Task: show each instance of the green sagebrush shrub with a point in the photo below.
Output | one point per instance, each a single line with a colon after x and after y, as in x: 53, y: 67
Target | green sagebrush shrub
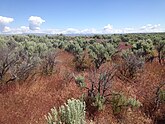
x: 119, y: 101
x: 99, y: 88
x: 131, y: 65
x: 99, y: 101
x: 72, y: 112
x: 80, y: 81
x: 49, y: 62
x: 16, y: 63
x: 74, y: 48
x: 77, y: 48
x: 161, y: 96
x: 82, y: 61
x: 100, y: 53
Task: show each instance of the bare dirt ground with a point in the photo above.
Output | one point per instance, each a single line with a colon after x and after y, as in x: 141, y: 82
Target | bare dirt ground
x: 28, y: 103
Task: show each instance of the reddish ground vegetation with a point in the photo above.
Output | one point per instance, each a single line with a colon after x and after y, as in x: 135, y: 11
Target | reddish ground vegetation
x: 29, y: 102
x: 124, y: 46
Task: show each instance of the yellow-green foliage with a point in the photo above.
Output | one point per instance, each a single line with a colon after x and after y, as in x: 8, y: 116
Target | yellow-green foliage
x: 162, y: 95
x: 72, y: 112
x: 99, y: 101
x: 119, y: 101
x: 80, y: 81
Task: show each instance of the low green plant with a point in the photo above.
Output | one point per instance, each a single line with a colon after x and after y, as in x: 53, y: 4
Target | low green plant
x: 100, y: 53
x: 49, y: 62
x: 161, y: 96
x: 72, y: 112
x: 98, y: 89
x: 131, y: 65
x: 81, y: 61
x: 99, y: 101
x: 119, y: 101
x: 80, y: 81
x: 134, y: 103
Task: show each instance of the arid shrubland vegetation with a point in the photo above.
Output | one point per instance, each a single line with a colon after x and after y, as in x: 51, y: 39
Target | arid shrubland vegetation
x: 103, y: 75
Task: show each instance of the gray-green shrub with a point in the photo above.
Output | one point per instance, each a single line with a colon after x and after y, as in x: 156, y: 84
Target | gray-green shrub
x: 72, y: 112
x: 119, y: 101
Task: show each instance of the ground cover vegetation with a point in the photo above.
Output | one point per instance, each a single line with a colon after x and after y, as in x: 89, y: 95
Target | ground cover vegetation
x: 97, y: 79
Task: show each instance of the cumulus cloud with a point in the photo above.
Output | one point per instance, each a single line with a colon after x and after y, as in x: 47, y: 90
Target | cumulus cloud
x: 78, y: 31
x: 90, y: 31
x: 6, y: 29
x: 150, y: 28
x: 24, y: 29
x: 35, y: 22
x: 4, y: 21
x: 108, y: 28
x: 71, y: 31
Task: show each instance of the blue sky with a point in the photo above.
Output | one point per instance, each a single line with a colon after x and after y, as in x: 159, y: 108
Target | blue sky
x: 82, y: 16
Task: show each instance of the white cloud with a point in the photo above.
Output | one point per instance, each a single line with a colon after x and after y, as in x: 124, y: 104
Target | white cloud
x: 108, y: 28
x: 78, y: 31
x: 6, y: 29
x: 23, y: 29
x: 3, y: 22
x: 150, y: 28
x: 90, y: 31
x: 20, y: 30
x: 71, y: 31
x: 35, y: 22
x: 52, y: 31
